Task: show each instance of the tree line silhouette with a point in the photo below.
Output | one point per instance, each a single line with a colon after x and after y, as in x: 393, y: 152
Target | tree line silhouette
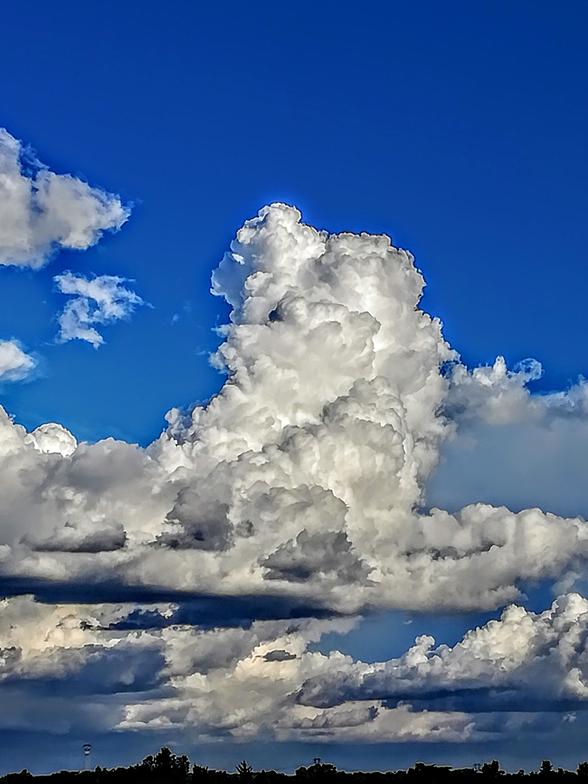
x: 165, y: 767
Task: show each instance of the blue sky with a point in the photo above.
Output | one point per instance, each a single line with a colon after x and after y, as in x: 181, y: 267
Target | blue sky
x: 457, y: 129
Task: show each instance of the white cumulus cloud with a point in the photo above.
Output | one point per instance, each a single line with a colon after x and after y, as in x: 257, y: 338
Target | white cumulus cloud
x: 41, y: 211
x: 531, y: 445
x: 520, y: 661
x: 298, y: 491
x: 152, y: 669
x: 15, y: 363
x: 98, y: 300
x: 305, y: 476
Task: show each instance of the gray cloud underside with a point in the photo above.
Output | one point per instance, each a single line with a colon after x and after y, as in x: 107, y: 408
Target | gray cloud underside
x: 242, y: 682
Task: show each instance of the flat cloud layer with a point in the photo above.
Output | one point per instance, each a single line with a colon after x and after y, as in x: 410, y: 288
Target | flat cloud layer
x: 298, y: 490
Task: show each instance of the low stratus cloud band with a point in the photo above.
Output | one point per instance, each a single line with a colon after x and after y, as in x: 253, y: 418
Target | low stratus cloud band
x: 297, y: 498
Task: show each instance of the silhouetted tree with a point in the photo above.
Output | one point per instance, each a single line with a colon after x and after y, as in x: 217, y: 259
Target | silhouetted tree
x: 18, y: 778
x: 491, y: 769
x: 244, y: 770
x: 317, y: 770
x: 165, y: 767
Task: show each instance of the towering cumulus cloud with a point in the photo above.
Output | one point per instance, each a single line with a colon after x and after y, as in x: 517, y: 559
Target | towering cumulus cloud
x: 297, y: 492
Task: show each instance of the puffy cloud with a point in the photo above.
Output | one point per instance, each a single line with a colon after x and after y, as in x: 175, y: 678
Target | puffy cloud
x: 299, y: 489
x: 519, y: 661
x: 267, y: 681
x: 55, y: 489
x: 60, y: 668
x: 380, y: 724
x: 41, y: 211
x: 492, y: 393
x: 15, y: 364
x: 252, y: 692
x: 55, y: 642
x: 95, y: 301
x: 89, y: 650
x: 298, y: 560
x: 532, y: 445
x: 52, y: 438
x: 304, y: 477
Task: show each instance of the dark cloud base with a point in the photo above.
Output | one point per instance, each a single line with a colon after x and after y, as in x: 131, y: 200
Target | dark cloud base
x: 202, y: 610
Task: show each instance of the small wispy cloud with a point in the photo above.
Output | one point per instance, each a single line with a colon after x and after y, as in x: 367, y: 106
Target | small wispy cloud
x: 98, y: 300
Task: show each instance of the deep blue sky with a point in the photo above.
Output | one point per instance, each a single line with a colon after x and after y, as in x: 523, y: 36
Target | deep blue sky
x: 459, y: 128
